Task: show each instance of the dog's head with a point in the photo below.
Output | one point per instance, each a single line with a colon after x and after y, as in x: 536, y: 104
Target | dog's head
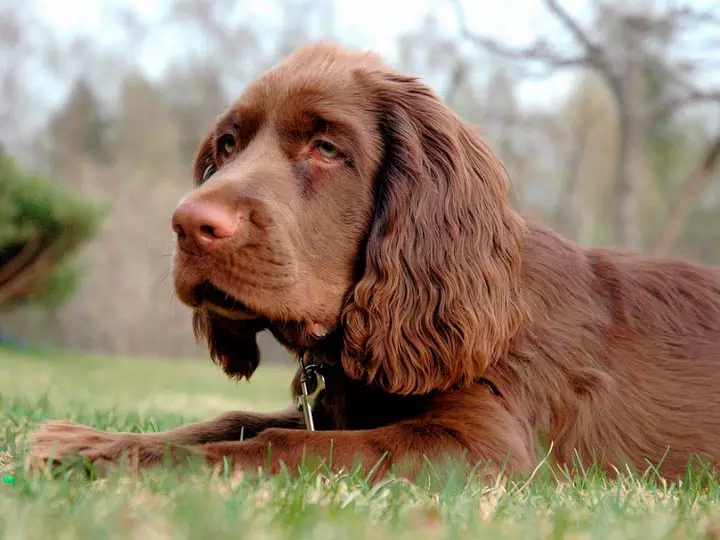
x: 337, y: 194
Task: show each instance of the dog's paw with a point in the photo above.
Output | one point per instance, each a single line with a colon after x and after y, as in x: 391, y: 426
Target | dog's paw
x: 57, y: 443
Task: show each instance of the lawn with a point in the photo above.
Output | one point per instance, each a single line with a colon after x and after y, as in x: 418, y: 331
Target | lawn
x: 133, y: 394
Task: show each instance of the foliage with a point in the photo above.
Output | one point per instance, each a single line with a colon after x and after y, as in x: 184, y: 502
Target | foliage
x: 41, y: 226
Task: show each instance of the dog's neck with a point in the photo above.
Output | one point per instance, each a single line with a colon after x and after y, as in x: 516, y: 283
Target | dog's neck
x: 324, y: 350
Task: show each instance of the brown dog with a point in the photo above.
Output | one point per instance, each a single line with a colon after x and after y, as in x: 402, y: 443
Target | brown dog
x: 346, y: 209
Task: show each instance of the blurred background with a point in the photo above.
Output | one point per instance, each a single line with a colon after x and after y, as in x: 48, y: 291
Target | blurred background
x: 606, y: 113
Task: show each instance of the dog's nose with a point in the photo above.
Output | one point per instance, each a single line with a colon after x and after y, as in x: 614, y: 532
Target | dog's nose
x: 202, y: 226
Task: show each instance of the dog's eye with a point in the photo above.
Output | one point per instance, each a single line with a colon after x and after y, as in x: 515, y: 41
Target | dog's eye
x: 327, y: 150
x: 208, y: 172
x: 226, y: 144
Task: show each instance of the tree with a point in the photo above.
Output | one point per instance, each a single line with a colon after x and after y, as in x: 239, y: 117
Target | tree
x: 145, y: 136
x: 195, y: 97
x: 78, y: 131
x: 587, y: 146
x: 41, y: 226
x: 625, y: 38
x: 690, y: 190
x: 502, y: 118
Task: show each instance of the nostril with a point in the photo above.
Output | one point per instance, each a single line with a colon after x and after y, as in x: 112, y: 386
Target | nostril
x: 208, y: 230
x: 179, y: 231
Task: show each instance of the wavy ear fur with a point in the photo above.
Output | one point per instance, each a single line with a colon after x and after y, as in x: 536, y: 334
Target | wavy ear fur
x: 439, y: 298
x: 232, y: 344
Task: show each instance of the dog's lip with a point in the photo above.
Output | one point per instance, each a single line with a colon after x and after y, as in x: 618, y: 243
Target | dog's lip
x: 208, y: 295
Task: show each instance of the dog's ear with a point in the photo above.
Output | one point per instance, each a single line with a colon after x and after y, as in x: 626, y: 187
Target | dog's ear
x: 439, y: 299
x: 232, y: 344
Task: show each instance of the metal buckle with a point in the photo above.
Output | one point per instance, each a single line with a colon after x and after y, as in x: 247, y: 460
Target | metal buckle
x: 312, y: 383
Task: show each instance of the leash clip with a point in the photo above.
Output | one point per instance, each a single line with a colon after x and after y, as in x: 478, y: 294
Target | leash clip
x: 312, y: 383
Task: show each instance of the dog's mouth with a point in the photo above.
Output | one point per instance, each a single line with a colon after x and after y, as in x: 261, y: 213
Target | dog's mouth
x: 291, y: 333
x: 215, y: 299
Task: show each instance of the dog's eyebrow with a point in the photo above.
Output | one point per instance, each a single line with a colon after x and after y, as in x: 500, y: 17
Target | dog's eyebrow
x: 243, y: 121
x: 318, y: 120
x: 336, y: 127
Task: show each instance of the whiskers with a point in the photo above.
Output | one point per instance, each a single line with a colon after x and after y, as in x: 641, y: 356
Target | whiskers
x: 160, y: 282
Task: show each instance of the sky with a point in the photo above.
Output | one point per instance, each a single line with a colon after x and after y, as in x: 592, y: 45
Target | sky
x: 373, y: 24
x: 379, y: 20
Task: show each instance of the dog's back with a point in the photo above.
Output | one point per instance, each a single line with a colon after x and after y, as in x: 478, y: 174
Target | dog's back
x: 622, y: 357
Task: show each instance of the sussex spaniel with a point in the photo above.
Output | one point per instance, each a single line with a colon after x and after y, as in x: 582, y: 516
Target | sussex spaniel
x: 345, y: 208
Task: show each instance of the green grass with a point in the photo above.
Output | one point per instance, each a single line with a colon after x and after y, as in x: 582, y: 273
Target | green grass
x: 130, y: 394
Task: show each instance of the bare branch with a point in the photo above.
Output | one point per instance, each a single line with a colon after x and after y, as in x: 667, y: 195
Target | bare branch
x: 692, y: 97
x: 540, y: 50
x: 592, y: 50
x: 691, y: 189
x: 457, y: 78
x: 687, y: 94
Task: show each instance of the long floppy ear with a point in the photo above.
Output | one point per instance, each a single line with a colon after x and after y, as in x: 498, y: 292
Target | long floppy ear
x: 439, y: 297
x: 232, y: 344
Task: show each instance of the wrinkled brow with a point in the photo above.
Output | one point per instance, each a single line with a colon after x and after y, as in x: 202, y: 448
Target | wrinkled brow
x: 308, y: 114
x: 309, y: 122
x: 242, y: 121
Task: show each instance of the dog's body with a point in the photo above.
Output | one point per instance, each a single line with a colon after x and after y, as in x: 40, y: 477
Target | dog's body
x: 343, y: 207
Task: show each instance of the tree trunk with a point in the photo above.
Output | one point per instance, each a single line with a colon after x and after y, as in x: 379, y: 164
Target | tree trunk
x: 622, y: 192
x: 631, y: 97
x: 691, y: 189
x: 564, y: 215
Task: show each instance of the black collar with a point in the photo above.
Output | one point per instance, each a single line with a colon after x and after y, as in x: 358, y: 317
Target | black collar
x: 311, y: 361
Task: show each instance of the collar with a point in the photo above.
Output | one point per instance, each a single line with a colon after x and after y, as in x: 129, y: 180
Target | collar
x: 312, y: 384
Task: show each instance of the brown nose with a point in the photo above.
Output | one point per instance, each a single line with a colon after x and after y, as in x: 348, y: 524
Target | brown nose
x: 202, y: 226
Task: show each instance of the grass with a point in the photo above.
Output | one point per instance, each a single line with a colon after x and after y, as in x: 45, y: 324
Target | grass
x: 137, y: 395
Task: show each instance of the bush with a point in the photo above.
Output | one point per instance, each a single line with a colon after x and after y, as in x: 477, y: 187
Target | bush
x: 41, y: 227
